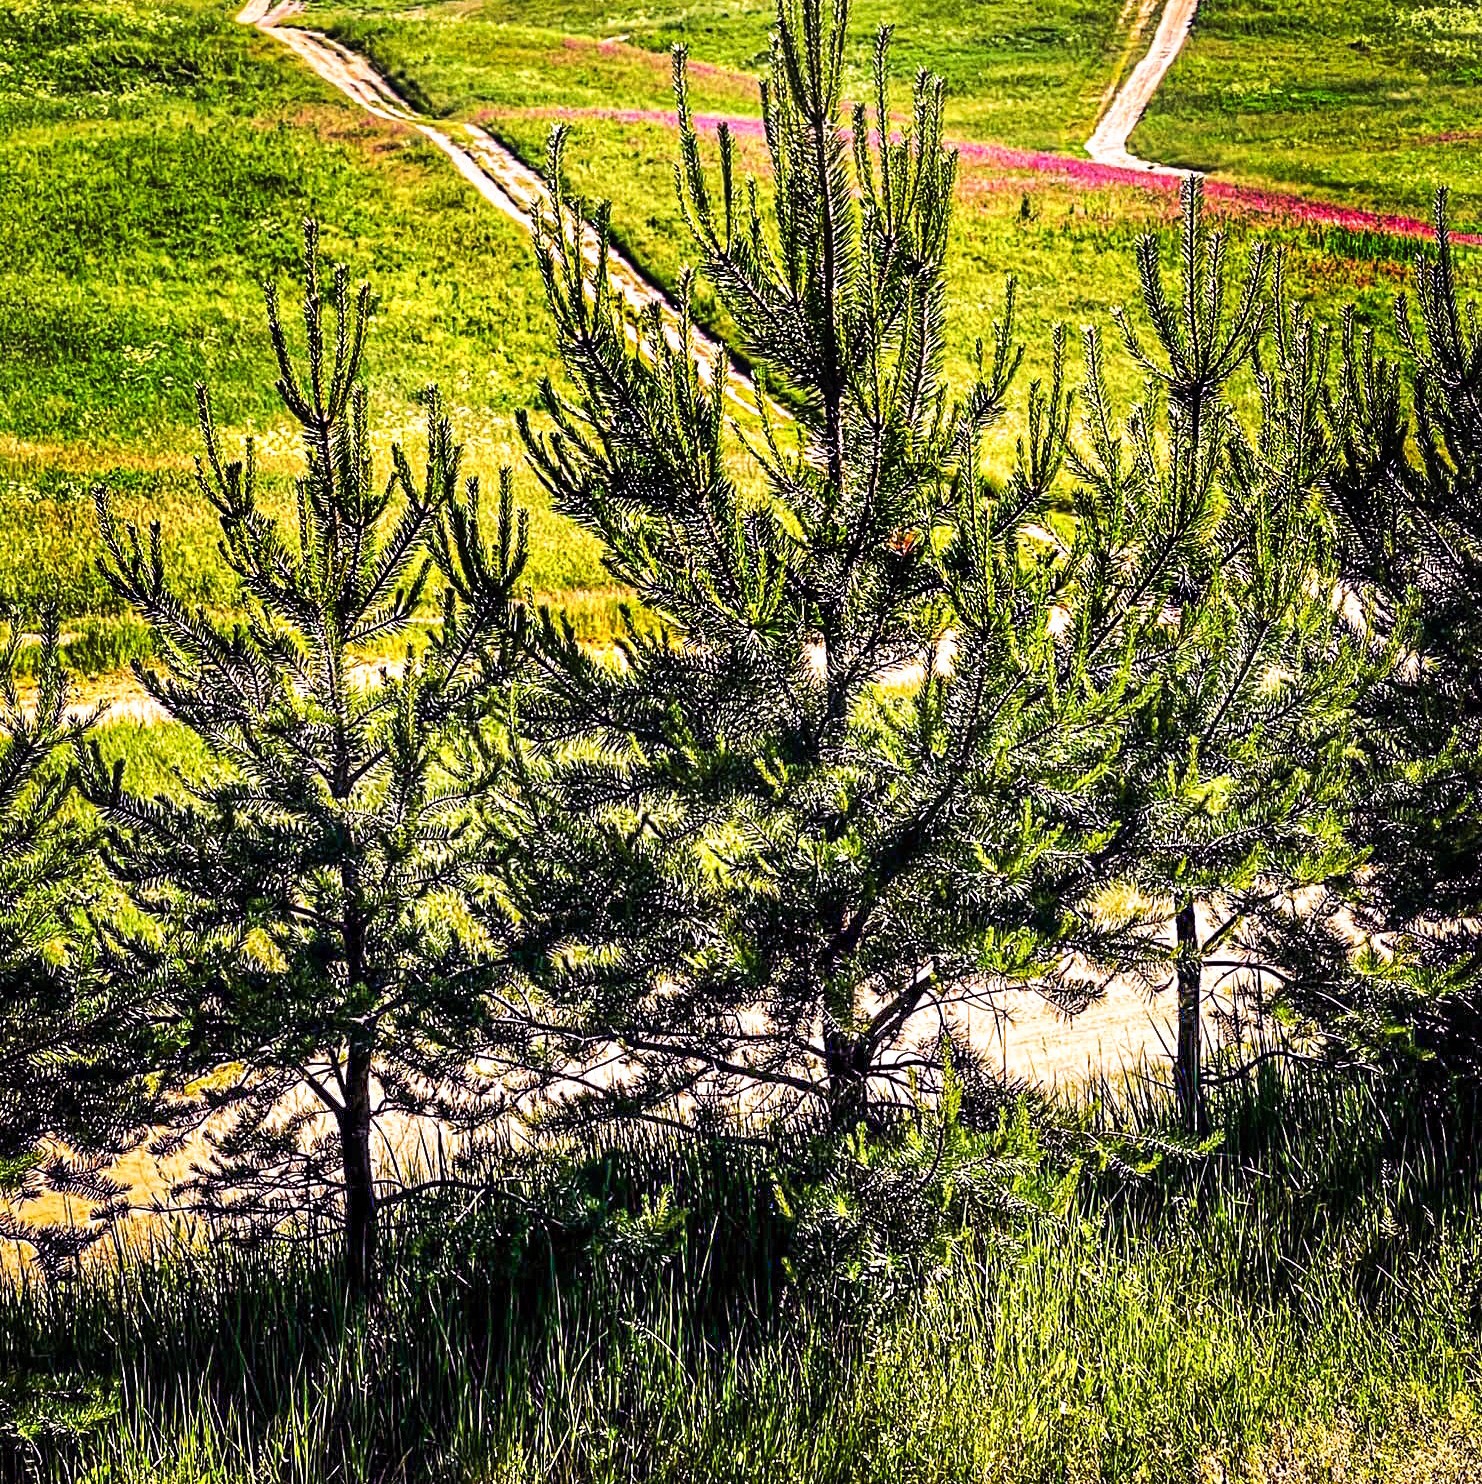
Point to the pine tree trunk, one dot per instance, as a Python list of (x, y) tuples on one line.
[(844, 1057), (360, 1189), (1186, 1067)]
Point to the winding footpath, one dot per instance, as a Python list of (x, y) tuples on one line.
[(504, 181), (1108, 145)]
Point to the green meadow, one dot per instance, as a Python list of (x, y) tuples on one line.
[(158, 163), (160, 157), (1031, 80), (1014, 74), (1367, 103)]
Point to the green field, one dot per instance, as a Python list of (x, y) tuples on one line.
[(160, 156), (158, 161), (1369, 103), (1014, 74)]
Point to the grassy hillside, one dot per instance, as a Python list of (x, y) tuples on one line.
[(158, 160), (1067, 231), (1025, 75), (159, 156), (1374, 102)]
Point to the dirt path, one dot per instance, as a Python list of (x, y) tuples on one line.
[(1126, 1034), (116, 699), (504, 181), (1108, 145), (1134, 20)]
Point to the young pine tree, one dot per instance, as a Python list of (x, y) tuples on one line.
[(1409, 497), (855, 782), (68, 1046), (1238, 768), (299, 892)]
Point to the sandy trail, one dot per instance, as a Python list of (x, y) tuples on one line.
[(117, 699), (504, 181), (1108, 145), (1129, 1031), (1134, 17), (120, 702), (1126, 1035)]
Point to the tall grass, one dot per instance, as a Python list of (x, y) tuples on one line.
[(1299, 1303)]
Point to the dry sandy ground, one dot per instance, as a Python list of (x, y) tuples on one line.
[(1128, 1034)]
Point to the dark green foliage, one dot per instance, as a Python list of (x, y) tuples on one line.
[(620, 1310), (71, 1054), (304, 895), (1238, 772), (877, 1218), (852, 786), (911, 733), (1409, 496)]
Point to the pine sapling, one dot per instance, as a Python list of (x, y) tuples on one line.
[(72, 1051), (304, 895), (1236, 771), (856, 784)]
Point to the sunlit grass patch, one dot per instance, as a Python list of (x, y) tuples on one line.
[(1029, 76), (1369, 104), (1286, 1308), (158, 163)]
